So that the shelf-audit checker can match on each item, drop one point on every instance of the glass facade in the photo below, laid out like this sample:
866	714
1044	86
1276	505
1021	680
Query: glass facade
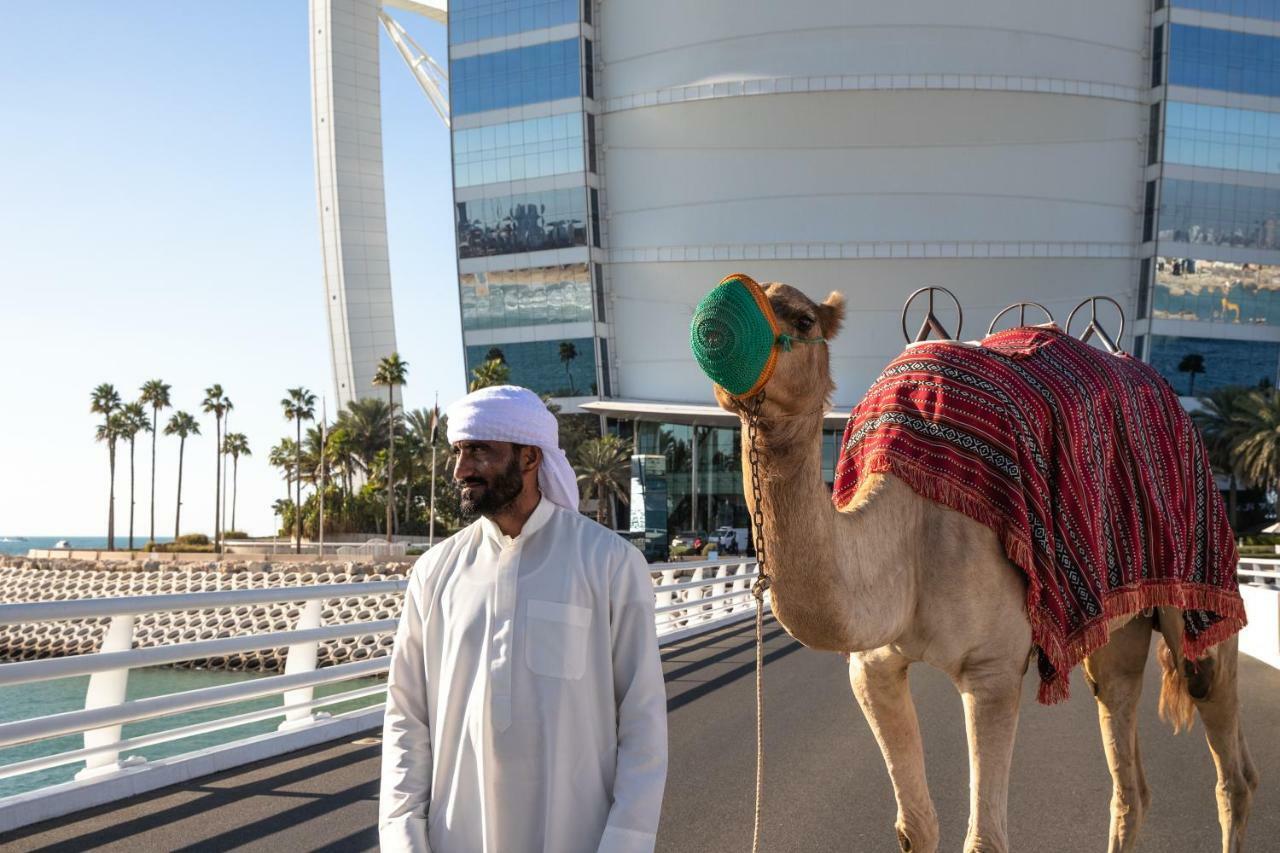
473	20
1266	9
707	495
495	159
559	368
1195	366
528	222
526	297
510	78
516	150
1220	214
1224	60
1216	291
1222	138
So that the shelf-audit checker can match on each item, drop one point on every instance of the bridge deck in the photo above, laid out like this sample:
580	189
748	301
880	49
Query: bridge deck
826	785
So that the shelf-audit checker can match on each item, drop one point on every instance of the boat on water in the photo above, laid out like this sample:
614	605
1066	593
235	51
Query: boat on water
13	539
62	543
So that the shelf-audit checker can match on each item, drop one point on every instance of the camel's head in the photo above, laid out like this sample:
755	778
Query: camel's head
773	339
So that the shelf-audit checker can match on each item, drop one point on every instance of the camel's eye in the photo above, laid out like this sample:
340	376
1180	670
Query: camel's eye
804	324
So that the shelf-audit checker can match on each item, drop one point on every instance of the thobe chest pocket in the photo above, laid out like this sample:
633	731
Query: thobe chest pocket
556	645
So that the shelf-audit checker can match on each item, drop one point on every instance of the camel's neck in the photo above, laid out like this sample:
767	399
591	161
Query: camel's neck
839	578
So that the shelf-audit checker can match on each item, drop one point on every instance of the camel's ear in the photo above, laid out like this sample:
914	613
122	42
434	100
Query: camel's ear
831	314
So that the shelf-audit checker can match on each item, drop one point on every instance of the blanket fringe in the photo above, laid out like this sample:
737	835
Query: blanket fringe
1064	653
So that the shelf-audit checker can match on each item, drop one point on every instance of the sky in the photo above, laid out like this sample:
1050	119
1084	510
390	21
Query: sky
158	220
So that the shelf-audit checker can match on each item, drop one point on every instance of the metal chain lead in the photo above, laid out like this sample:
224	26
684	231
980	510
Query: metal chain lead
758	589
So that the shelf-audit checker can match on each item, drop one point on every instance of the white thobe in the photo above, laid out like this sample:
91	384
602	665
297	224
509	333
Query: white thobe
526	709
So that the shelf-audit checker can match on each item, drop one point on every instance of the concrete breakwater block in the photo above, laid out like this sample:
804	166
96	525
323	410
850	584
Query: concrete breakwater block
26	580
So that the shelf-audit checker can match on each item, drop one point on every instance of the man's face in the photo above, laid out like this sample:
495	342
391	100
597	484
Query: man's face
488	476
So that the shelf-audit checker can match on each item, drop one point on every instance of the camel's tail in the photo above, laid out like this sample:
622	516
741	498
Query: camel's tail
1176	707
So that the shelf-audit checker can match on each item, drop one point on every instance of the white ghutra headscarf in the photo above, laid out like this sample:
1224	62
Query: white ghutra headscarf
517	415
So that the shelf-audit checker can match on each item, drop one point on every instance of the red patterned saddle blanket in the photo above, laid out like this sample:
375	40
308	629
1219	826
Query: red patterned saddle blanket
1083	463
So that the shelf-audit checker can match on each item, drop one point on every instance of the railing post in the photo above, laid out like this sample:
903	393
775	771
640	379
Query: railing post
695	595
108	688
664	598
302	658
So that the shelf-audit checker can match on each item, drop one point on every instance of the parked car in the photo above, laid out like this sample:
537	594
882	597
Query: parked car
731	540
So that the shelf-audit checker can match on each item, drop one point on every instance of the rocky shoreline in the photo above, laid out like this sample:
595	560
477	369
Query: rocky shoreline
24	579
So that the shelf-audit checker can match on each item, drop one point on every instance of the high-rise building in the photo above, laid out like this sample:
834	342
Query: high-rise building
613	161
526	194
1209	305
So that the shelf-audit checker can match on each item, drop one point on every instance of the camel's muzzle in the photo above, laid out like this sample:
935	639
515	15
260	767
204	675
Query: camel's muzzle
735	337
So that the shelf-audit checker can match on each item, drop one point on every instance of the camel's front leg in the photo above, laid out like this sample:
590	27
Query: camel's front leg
991	691
879	680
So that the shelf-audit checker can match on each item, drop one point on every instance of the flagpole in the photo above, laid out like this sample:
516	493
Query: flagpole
324	422
431	524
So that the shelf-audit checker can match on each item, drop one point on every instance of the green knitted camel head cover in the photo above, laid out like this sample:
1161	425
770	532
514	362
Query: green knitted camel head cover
734	336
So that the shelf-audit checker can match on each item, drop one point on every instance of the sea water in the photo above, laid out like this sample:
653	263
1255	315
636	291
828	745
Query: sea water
15	544
41	698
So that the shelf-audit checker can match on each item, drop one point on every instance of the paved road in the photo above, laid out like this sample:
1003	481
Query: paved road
827	789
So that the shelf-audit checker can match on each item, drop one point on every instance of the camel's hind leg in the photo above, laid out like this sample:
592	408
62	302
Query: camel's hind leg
879	680
1114	673
1211	685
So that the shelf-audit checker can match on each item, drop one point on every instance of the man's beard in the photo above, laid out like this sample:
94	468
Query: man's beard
498	494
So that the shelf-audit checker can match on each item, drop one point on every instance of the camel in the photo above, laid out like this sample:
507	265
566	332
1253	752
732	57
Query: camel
894	579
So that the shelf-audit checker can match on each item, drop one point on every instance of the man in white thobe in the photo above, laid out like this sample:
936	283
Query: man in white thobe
526	709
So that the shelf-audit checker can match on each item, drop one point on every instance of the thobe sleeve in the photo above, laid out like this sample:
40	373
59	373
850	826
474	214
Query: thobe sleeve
641	699
406	737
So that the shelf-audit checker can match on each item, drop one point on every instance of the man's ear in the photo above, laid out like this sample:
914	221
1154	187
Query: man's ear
831	314
533	459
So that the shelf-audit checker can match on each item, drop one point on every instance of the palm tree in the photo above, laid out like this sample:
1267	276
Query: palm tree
366	422
490	373
1192	363
283	456
215	402
495	354
568	352
604	467
156	395
1257	451
341	452
182	425
1221	419
133	419
104	401
299	406
392	371
226	427
236	444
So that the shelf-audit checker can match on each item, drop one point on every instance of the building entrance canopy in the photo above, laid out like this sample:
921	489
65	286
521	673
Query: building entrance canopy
691	414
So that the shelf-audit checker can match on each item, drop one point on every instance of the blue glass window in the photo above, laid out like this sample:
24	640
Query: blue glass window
559	368
1224	60
517	150
1221	363
528	222
1268	10
472	20
526	297
509	78
1222	137
1216	292
1214	214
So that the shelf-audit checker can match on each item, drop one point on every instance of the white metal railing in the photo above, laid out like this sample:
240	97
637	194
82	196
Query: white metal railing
1259	571
369	548
690	598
